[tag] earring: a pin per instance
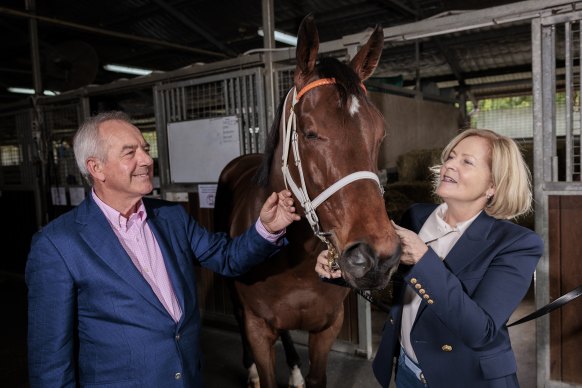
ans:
(488, 196)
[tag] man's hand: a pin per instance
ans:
(278, 212)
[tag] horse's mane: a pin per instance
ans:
(347, 83)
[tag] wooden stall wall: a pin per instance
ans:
(565, 235)
(414, 124)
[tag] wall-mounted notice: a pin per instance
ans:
(59, 196)
(199, 149)
(77, 195)
(207, 196)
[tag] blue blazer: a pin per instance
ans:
(460, 336)
(93, 319)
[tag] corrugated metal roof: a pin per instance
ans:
(220, 29)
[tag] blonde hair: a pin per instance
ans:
(509, 174)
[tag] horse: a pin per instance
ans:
(324, 144)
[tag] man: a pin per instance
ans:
(112, 292)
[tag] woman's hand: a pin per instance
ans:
(413, 248)
(323, 269)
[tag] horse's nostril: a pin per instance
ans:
(359, 259)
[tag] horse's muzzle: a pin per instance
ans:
(365, 269)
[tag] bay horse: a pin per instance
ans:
(324, 144)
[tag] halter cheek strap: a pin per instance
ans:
(291, 141)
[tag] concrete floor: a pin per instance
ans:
(223, 366)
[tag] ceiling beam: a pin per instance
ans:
(195, 27)
(99, 31)
(403, 7)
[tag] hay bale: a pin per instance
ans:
(417, 191)
(415, 165)
(396, 204)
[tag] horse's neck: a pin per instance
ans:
(276, 181)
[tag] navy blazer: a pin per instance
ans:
(93, 319)
(460, 336)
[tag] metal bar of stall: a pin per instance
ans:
(548, 104)
(569, 98)
(540, 173)
(254, 125)
(244, 108)
(579, 101)
(240, 112)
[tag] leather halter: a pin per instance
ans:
(290, 139)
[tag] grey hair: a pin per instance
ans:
(87, 142)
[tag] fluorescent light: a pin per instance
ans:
(281, 37)
(31, 91)
(127, 69)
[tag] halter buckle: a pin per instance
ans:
(332, 254)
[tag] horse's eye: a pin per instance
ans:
(310, 135)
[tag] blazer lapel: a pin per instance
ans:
(161, 229)
(467, 248)
(99, 235)
(471, 244)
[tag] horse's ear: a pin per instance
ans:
(306, 54)
(366, 60)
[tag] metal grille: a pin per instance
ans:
(11, 155)
(152, 139)
(242, 100)
(238, 94)
(9, 141)
(571, 112)
(514, 123)
(284, 82)
(559, 102)
(13, 169)
(60, 124)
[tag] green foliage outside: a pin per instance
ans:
(489, 104)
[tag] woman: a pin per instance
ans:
(464, 270)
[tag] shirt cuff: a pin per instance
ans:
(274, 238)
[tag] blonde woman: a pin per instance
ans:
(464, 270)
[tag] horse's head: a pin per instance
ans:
(339, 132)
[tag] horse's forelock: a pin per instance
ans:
(347, 81)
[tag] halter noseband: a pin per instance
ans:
(290, 139)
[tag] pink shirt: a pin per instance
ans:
(139, 242)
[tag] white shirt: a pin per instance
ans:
(441, 237)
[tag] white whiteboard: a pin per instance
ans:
(200, 149)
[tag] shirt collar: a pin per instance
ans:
(116, 219)
(435, 226)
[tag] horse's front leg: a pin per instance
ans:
(262, 338)
(293, 361)
(320, 344)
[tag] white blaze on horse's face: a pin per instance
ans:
(354, 106)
